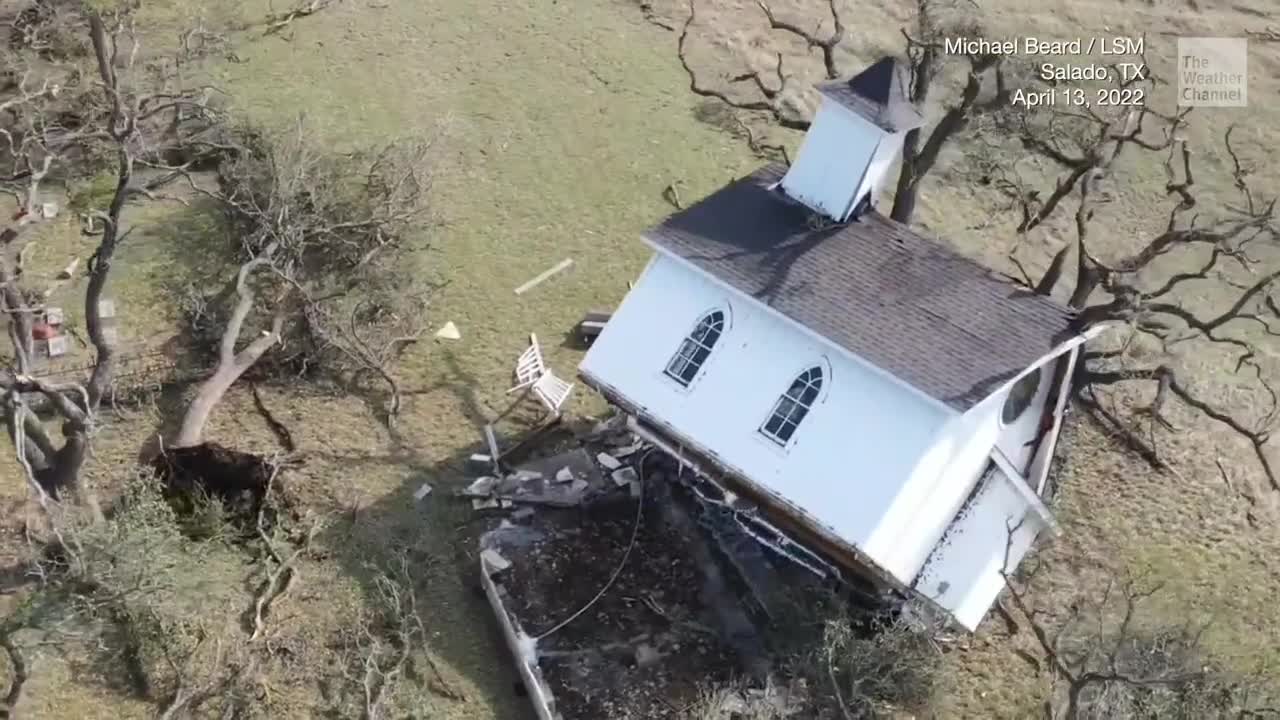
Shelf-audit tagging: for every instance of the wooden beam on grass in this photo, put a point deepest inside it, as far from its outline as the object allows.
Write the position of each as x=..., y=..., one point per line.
x=561, y=267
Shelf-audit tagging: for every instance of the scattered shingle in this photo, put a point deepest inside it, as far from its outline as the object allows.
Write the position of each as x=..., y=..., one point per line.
x=623, y=476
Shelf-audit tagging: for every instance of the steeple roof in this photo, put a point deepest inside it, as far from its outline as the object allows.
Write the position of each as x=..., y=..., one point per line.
x=878, y=94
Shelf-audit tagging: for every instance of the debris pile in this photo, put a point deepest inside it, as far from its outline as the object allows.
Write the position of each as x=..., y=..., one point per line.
x=624, y=591
x=564, y=480
x=606, y=596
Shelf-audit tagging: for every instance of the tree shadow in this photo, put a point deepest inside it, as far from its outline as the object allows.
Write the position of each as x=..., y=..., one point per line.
x=439, y=536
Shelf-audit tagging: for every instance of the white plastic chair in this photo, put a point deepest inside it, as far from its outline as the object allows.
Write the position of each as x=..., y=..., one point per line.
x=529, y=368
x=552, y=391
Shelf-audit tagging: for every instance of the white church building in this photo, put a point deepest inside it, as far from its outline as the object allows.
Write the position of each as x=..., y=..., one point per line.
x=882, y=400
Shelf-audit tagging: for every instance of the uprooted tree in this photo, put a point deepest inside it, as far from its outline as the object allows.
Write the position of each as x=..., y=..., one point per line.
x=323, y=245
x=1200, y=282
x=319, y=239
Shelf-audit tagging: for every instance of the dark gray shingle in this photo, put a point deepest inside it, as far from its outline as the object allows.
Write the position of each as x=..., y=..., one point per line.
x=935, y=319
x=878, y=94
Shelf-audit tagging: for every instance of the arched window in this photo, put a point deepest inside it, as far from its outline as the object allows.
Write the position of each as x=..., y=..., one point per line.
x=1020, y=397
x=696, y=348
x=793, y=406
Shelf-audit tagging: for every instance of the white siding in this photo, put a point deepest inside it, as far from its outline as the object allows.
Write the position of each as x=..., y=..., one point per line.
x=936, y=490
x=833, y=161
x=948, y=473
x=964, y=575
x=852, y=454
x=887, y=152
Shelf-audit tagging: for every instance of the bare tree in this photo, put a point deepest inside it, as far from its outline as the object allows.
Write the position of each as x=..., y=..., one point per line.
x=1108, y=656
x=54, y=119
x=1143, y=290
x=891, y=665
x=315, y=233
x=386, y=642
x=374, y=333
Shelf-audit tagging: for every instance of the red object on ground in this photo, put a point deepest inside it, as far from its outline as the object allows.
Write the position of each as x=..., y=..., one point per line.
x=42, y=331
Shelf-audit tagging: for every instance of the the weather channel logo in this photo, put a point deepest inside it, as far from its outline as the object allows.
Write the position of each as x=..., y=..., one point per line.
x=1213, y=72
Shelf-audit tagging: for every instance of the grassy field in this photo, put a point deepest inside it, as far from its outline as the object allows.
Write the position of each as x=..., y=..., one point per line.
x=562, y=123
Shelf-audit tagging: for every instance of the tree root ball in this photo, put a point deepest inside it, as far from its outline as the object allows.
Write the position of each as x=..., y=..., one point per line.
x=238, y=479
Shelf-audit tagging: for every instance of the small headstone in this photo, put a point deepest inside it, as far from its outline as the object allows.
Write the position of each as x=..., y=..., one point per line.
x=484, y=504
x=480, y=459
x=57, y=345
x=49, y=210
x=608, y=461
x=624, y=476
x=107, y=308
x=422, y=492
x=505, y=504
x=53, y=316
x=494, y=560
x=449, y=332
x=564, y=475
x=647, y=655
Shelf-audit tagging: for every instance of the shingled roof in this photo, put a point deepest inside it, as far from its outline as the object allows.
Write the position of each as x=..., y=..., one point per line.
x=908, y=304
x=878, y=94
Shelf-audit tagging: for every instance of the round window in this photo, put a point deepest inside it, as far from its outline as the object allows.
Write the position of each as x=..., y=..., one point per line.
x=1020, y=397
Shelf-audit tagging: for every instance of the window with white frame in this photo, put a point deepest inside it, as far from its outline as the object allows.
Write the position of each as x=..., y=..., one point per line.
x=793, y=406
x=696, y=348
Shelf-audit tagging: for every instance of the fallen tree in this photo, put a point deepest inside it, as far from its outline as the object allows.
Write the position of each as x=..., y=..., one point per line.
x=323, y=245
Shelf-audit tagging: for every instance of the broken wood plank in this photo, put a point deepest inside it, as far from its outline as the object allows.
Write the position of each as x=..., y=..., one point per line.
x=561, y=267
x=516, y=452
x=493, y=446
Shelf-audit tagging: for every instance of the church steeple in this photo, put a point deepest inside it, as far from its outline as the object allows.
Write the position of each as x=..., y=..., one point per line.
x=853, y=140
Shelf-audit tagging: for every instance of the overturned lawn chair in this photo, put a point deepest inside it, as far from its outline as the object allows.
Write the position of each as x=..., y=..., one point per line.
x=530, y=366
x=532, y=375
